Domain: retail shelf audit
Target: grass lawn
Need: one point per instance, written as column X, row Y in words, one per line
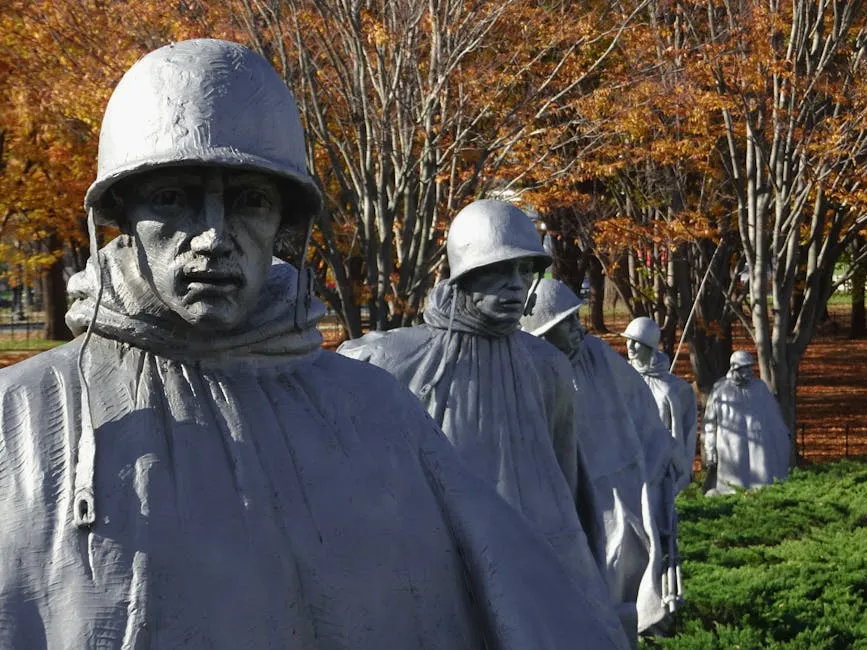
column 782, row 567
column 21, row 344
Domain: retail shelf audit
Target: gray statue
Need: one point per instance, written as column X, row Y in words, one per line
column 628, row 458
column 674, row 397
column 194, row 471
column 746, row 442
column 503, row 397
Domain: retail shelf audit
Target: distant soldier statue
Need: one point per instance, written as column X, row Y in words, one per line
column 504, row 398
column 628, row 451
column 746, row 442
column 194, row 471
column 674, row 397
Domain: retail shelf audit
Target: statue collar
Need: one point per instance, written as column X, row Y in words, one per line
column 450, row 308
column 129, row 312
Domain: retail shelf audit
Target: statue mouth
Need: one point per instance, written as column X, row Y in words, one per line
column 213, row 279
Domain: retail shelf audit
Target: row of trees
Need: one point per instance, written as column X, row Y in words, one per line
column 705, row 153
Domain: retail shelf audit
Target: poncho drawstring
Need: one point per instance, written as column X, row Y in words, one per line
column 84, row 503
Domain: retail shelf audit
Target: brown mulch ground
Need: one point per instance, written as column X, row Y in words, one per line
column 8, row 358
column 832, row 392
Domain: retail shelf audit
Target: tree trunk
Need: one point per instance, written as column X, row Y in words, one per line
column 54, row 297
column 787, row 383
column 858, row 325
column 597, row 295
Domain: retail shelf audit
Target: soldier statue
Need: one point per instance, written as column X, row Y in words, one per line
column 746, row 442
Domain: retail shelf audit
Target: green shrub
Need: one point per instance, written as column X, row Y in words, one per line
column 780, row 567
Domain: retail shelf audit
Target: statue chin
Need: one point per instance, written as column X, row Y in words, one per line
column 212, row 315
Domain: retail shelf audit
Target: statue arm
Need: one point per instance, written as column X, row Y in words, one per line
column 528, row 597
column 690, row 428
column 564, row 435
column 709, row 427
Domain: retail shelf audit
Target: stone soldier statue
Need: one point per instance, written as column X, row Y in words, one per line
column 674, row 397
column 194, row 471
column 503, row 397
column 626, row 456
column 746, row 441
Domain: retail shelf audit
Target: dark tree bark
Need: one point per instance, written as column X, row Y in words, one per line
column 597, row 295
column 54, row 297
column 859, row 326
column 710, row 332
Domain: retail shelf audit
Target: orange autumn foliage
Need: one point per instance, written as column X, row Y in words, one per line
column 60, row 60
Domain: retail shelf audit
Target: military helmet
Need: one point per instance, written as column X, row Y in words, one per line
column 555, row 302
column 490, row 231
column 202, row 101
column 644, row 330
column 741, row 359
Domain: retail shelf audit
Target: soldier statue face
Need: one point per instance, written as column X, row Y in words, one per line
column 742, row 374
column 638, row 353
column 567, row 335
column 204, row 237
column 499, row 291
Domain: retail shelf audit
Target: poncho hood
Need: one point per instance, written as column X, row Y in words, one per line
column 451, row 308
column 129, row 311
column 678, row 411
column 659, row 365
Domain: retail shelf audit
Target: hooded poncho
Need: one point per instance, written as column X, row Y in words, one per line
column 675, row 400
column 628, row 453
column 745, row 432
column 253, row 491
column 504, row 399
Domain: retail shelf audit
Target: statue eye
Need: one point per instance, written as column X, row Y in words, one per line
column 169, row 198
column 253, row 198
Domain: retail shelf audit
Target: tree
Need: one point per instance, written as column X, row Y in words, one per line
column 661, row 213
column 415, row 107
column 857, row 277
column 770, row 99
column 792, row 78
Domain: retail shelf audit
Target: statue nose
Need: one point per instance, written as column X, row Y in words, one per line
column 516, row 280
column 213, row 238
column 211, row 241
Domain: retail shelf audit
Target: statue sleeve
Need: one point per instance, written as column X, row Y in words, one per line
column 709, row 427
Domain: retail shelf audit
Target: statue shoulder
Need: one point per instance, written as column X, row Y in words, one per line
column 373, row 399
column 397, row 342
column 601, row 350
column 59, row 363
column 719, row 387
column 347, row 371
column 546, row 357
column 39, row 416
